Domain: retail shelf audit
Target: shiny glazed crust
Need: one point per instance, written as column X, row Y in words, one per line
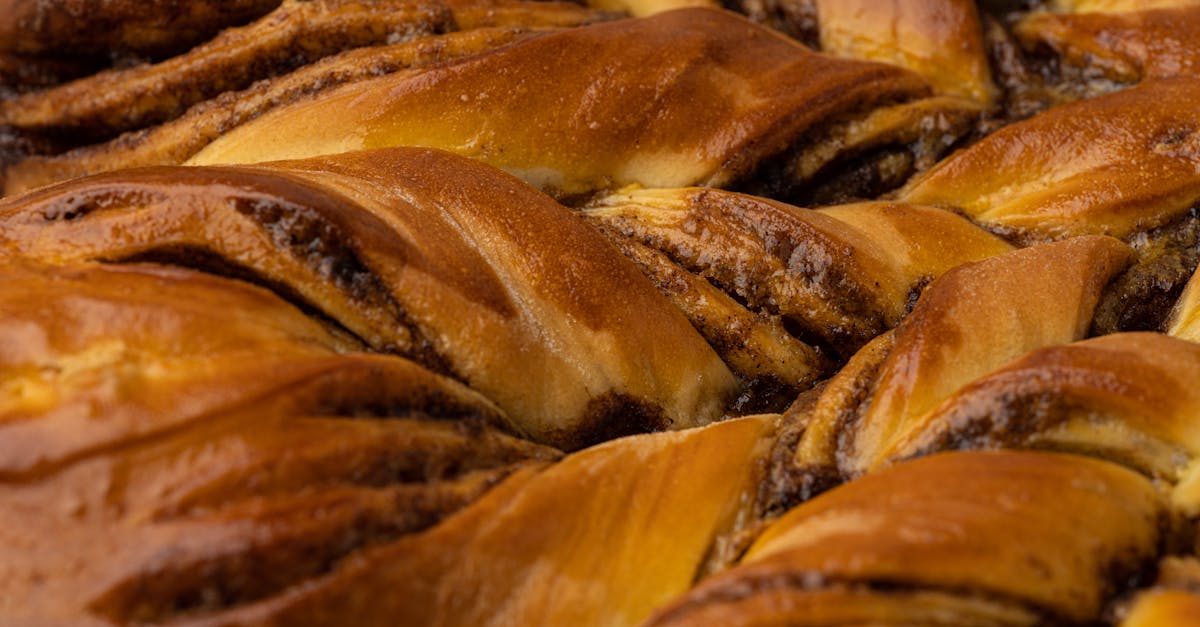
column 644, row 312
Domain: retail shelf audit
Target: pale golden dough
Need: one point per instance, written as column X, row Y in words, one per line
column 1185, row 317
column 693, row 96
column 173, row 142
column 643, row 8
column 916, row 244
column 1113, row 6
column 640, row 517
column 1123, row 47
column 1114, row 165
column 101, row 26
column 422, row 253
column 1173, row 600
column 161, row 411
column 1129, row 398
column 1056, row 533
column 1164, row 608
column 798, row 281
column 298, row 32
column 970, row 321
column 942, row 40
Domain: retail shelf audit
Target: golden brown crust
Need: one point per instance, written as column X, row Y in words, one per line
column 1112, row 6
column 97, row 356
column 970, row 321
column 785, row 293
column 693, row 96
column 310, row 391
column 942, row 40
column 1164, row 608
column 643, row 8
column 1057, row 533
column 152, row 411
column 397, row 246
column 1128, row 398
column 642, row 509
column 1173, row 601
column 1184, row 321
column 1124, row 47
column 174, row 142
column 102, row 105
column 1113, row 165
column 100, row 26
column 162, row 412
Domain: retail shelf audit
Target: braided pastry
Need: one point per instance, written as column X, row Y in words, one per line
column 498, row 312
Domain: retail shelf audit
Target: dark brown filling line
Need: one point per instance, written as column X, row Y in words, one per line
column 197, row 585
column 1143, row 297
column 834, row 340
column 1123, row 573
column 297, row 230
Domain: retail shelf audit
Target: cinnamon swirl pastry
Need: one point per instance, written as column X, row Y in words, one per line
column 453, row 275
column 497, row 312
column 103, row 26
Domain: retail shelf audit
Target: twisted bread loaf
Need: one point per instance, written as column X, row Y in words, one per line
column 401, row 385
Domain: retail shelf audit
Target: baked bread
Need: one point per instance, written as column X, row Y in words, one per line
column 463, row 312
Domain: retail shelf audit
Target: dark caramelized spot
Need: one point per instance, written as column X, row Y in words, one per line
column 762, row 395
column 88, row 201
column 867, row 169
column 311, row 225
column 258, row 532
column 304, row 536
column 797, row 18
column 785, row 484
column 308, row 236
column 294, row 35
column 1141, row 298
column 1022, row 81
column 614, row 415
column 864, row 177
column 1011, row 418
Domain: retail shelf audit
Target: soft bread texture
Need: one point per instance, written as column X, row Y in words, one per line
column 397, row 255
column 391, row 386
column 175, row 107
column 1112, row 6
column 162, row 411
column 297, row 33
column 173, row 142
column 1124, row 47
column 1126, row 397
column 1055, row 531
column 1164, row 608
column 942, row 40
column 693, row 96
column 971, row 320
column 786, row 293
column 645, row 510
column 1173, row 600
column 800, row 135
column 1112, row 165
column 1185, row 316
column 143, row 26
